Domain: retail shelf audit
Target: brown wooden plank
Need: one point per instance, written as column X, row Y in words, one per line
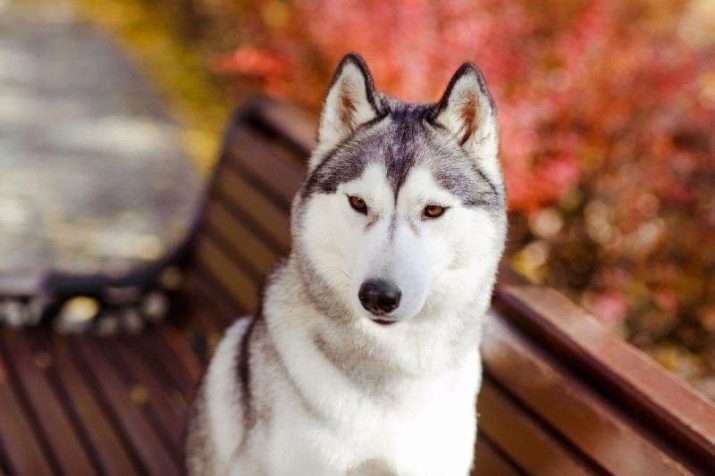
column 177, row 342
column 66, row 446
column 489, row 462
column 241, row 240
column 210, row 337
column 206, row 304
column 24, row 452
column 157, row 410
column 519, row 436
column 161, row 365
column 270, row 221
column 208, row 298
column 288, row 121
column 114, row 455
column 253, row 155
column 126, row 409
column 4, row 465
column 661, row 398
column 220, row 265
column 600, row 431
column 162, row 397
column 171, row 359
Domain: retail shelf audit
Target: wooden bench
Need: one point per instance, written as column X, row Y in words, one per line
column 560, row 395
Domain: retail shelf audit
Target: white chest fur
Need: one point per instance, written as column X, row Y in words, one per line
column 424, row 426
column 325, row 422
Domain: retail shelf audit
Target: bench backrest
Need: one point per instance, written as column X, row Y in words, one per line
column 560, row 395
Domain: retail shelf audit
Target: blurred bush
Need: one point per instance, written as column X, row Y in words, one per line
column 606, row 109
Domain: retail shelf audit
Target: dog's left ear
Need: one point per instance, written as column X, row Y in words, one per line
column 350, row 102
column 468, row 112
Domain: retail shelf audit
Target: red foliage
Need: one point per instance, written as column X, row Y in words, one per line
column 569, row 77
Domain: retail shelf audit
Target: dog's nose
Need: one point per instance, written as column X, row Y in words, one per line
column 379, row 296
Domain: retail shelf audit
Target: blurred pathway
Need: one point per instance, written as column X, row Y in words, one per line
column 92, row 174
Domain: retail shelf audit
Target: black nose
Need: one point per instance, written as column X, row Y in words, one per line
column 379, row 296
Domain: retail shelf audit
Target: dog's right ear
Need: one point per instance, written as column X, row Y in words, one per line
column 350, row 102
column 467, row 111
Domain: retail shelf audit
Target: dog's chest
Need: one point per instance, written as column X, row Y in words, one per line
column 369, row 440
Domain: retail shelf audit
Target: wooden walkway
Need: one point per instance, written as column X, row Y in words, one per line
column 93, row 175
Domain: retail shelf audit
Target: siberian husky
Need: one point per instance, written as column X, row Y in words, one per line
column 364, row 359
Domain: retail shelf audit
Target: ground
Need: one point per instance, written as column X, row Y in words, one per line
column 94, row 174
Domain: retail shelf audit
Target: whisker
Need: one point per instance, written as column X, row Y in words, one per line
column 342, row 271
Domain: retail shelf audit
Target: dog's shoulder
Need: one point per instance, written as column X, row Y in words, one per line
column 217, row 411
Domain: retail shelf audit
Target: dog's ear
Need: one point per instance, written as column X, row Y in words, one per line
column 467, row 111
column 350, row 102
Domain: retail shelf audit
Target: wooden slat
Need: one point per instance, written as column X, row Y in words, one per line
column 115, row 456
column 145, row 355
column 24, row 452
column 170, row 359
column 67, row 448
column 661, row 399
column 253, row 156
column 155, row 458
column 488, row 461
column 518, row 435
column 607, row 436
column 289, row 122
column 208, row 299
column 165, row 401
column 4, row 461
column 270, row 220
column 178, row 344
column 156, row 408
column 4, row 464
column 206, row 304
column 222, row 267
column 242, row 241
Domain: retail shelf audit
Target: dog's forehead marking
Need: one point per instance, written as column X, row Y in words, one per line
column 422, row 185
column 399, row 141
column 407, row 141
column 347, row 161
column 372, row 185
column 392, row 141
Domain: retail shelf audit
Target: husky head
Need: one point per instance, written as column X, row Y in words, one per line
column 402, row 217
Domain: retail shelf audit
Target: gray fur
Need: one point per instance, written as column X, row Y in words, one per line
column 402, row 136
column 275, row 356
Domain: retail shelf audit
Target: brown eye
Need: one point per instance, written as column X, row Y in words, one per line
column 434, row 211
column 358, row 204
